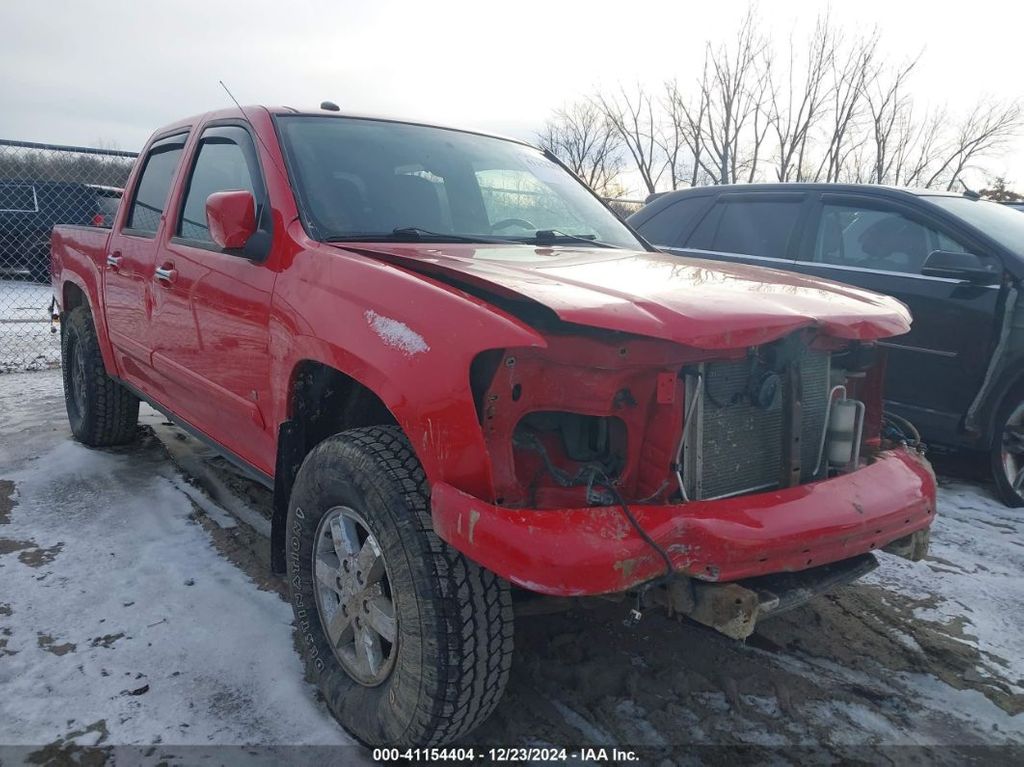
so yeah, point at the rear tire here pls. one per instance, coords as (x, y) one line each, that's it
(451, 650)
(1007, 454)
(100, 410)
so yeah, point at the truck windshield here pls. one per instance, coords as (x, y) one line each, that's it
(375, 180)
(1000, 222)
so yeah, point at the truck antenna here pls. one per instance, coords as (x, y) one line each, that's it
(255, 130)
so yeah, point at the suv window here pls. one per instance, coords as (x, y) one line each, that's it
(869, 238)
(668, 225)
(155, 185)
(221, 165)
(18, 198)
(748, 227)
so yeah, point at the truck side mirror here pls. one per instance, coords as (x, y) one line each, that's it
(960, 266)
(231, 217)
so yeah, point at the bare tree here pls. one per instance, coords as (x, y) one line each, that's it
(892, 127)
(985, 131)
(831, 109)
(673, 140)
(919, 144)
(734, 87)
(798, 105)
(632, 114)
(582, 137)
(687, 120)
(852, 71)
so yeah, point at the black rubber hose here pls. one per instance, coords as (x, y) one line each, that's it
(669, 569)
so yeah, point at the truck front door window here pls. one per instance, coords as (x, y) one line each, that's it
(220, 166)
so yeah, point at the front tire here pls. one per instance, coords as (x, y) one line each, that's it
(100, 410)
(1007, 454)
(409, 642)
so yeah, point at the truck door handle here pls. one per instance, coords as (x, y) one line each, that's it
(114, 260)
(166, 274)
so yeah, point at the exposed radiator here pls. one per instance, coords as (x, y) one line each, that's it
(736, 447)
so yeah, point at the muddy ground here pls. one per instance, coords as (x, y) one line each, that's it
(860, 666)
(917, 654)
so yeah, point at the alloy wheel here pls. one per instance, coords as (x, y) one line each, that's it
(1013, 449)
(353, 596)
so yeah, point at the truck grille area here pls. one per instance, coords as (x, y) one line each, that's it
(736, 446)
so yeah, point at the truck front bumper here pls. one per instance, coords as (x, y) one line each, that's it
(587, 551)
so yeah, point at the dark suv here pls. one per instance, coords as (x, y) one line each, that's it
(30, 209)
(955, 261)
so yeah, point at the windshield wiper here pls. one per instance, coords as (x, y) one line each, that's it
(414, 234)
(553, 236)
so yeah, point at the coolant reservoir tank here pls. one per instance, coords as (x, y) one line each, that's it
(842, 431)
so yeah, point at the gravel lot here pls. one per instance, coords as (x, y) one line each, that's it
(136, 608)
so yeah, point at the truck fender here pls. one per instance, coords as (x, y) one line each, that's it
(77, 289)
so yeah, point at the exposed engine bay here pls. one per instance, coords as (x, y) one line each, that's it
(592, 419)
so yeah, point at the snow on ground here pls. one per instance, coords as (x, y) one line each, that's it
(26, 342)
(122, 622)
(974, 577)
(118, 617)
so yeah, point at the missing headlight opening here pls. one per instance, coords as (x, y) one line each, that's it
(570, 450)
(782, 414)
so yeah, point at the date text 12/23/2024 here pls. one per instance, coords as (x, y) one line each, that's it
(516, 754)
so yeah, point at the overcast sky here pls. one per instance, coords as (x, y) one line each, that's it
(86, 72)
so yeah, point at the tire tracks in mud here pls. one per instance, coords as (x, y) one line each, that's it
(836, 672)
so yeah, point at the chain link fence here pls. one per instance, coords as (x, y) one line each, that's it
(623, 208)
(42, 185)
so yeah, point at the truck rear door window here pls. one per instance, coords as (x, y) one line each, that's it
(154, 185)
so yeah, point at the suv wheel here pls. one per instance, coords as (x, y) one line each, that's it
(1008, 450)
(409, 642)
(38, 260)
(100, 410)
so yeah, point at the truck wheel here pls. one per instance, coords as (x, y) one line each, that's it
(1008, 450)
(101, 411)
(409, 642)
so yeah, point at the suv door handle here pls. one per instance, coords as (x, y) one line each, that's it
(166, 274)
(114, 260)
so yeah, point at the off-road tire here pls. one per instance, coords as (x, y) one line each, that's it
(1004, 484)
(454, 646)
(108, 413)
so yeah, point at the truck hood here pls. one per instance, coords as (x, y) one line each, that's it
(691, 301)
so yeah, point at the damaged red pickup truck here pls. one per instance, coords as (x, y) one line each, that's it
(468, 384)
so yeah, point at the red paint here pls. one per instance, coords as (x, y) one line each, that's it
(232, 218)
(220, 344)
(577, 551)
(705, 304)
(667, 387)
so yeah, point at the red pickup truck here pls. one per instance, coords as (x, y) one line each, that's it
(468, 384)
